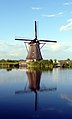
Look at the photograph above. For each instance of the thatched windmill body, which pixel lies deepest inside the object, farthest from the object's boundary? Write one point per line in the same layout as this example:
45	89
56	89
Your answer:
34	51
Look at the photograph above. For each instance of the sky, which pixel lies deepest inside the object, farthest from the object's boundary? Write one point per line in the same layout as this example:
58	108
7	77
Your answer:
54	22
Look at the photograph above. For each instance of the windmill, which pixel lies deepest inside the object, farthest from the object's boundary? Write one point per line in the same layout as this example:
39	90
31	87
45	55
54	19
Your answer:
34	52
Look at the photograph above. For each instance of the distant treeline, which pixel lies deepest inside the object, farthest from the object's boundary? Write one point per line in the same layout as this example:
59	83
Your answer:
51	64
42	64
8	60
9	63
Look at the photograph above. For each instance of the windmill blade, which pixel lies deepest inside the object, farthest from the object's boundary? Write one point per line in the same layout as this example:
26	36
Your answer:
40	90
23	39
23	91
35	30
48	41
48	89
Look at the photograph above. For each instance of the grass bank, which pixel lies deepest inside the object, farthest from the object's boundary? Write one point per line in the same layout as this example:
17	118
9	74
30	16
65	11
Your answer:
9	63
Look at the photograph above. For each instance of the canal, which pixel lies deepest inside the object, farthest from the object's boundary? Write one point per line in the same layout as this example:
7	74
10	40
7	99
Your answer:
27	93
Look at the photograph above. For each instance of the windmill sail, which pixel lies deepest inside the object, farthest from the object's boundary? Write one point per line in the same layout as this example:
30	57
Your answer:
35	30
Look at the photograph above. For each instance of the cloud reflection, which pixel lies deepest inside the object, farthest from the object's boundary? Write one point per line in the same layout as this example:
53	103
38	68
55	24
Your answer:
67	98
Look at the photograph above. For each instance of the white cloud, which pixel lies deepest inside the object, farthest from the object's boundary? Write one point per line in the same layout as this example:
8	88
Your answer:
68	26
60	13
10	50
67	46
46	15
59	47
55	47
67	3
17	50
69	20
36	8
53	15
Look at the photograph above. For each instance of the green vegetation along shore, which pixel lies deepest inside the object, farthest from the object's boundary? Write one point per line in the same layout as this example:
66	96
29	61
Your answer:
9	63
42	64
48	63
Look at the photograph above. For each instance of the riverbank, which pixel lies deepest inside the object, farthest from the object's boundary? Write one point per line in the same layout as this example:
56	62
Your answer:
47	63
9	63
42	64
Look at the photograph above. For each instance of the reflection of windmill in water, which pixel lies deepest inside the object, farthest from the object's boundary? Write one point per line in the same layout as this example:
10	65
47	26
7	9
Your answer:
34	52
34	78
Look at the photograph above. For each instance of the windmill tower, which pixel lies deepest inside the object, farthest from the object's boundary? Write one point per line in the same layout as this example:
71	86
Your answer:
34	52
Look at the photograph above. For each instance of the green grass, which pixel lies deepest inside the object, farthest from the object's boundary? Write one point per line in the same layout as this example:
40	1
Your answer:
8	64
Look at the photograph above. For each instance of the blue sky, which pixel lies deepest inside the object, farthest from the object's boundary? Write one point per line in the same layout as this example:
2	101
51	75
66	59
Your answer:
54	22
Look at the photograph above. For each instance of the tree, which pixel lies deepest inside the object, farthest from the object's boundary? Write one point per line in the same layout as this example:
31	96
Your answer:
68	59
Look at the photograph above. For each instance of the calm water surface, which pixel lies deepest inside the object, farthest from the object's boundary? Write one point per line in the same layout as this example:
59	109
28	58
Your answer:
33	94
